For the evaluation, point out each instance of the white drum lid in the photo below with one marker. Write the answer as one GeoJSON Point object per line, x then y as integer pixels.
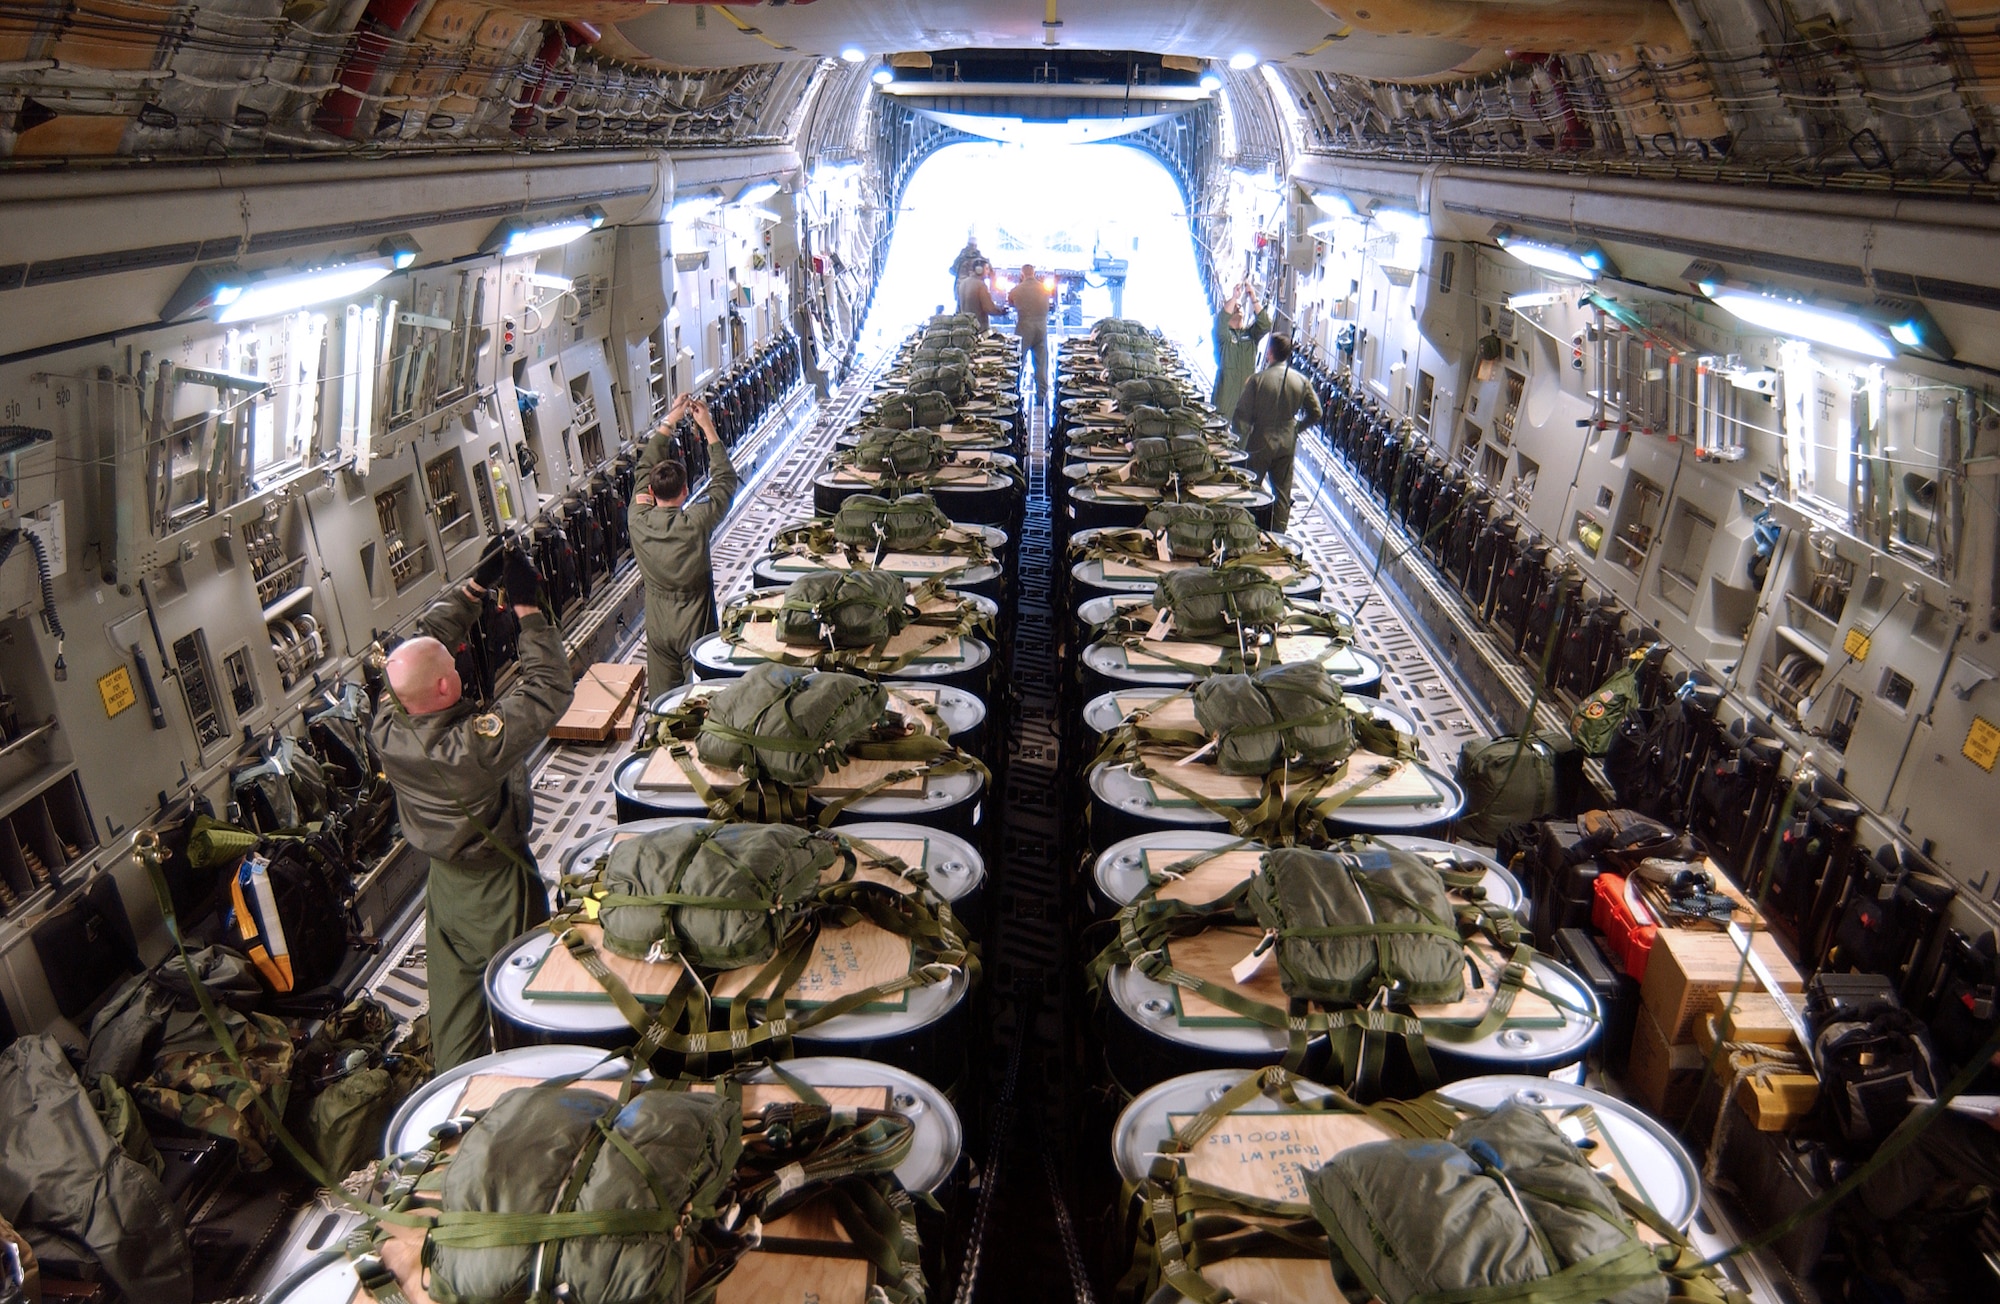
{"type": "Point", "coordinates": [508, 974]}
{"type": "Point", "coordinates": [1144, 1128]}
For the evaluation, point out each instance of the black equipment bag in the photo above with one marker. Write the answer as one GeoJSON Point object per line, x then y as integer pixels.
{"type": "Point", "coordinates": [1874, 1058]}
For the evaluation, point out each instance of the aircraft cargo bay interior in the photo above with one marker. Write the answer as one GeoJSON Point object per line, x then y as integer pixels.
{"type": "Point", "coordinates": [901, 652]}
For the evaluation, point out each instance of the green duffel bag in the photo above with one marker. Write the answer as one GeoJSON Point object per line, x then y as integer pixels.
{"type": "Point", "coordinates": [787, 725]}
{"type": "Point", "coordinates": [1477, 1217]}
{"type": "Point", "coordinates": [900, 452]}
{"type": "Point", "coordinates": [848, 608]}
{"type": "Point", "coordinates": [721, 896]}
{"type": "Point", "coordinates": [1283, 715]}
{"type": "Point", "coordinates": [1207, 602]}
{"type": "Point", "coordinates": [1151, 391]}
{"type": "Point", "coordinates": [535, 1168]}
{"type": "Point", "coordinates": [1509, 781]}
{"type": "Point", "coordinates": [1347, 924]}
{"type": "Point", "coordinates": [954, 381]}
{"type": "Point", "coordinates": [897, 524]}
{"type": "Point", "coordinates": [1199, 531]}
{"type": "Point", "coordinates": [1159, 461]}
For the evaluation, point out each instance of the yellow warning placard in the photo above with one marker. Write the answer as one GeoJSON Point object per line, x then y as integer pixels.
{"type": "Point", "coordinates": [1855, 645]}
{"type": "Point", "coordinates": [116, 690]}
{"type": "Point", "coordinates": [1982, 743]}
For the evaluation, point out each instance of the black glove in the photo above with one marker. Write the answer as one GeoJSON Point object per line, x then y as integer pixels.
{"type": "Point", "coordinates": [490, 566]}
{"type": "Point", "coordinates": [520, 579]}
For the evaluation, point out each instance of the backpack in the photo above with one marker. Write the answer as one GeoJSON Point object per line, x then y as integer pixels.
{"type": "Point", "coordinates": [556, 1153]}
{"type": "Point", "coordinates": [1646, 757]}
{"type": "Point", "coordinates": [907, 410]}
{"type": "Point", "coordinates": [1508, 781]}
{"type": "Point", "coordinates": [1622, 840]}
{"type": "Point", "coordinates": [286, 916]}
{"type": "Point", "coordinates": [1597, 717]}
{"type": "Point", "coordinates": [844, 608]}
{"type": "Point", "coordinates": [1143, 391]}
{"type": "Point", "coordinates": [1161, 423]}
{"type": "Point", "coordinates": [900, 452]}
{"type": "Point", "coordinates": [1160, 461]}
{"type": "Point", "coordinates": [894, 524]}
{"type": "Point", "coordinates": [1200, 531]}
{"type": "Point", "coordinates": [1285, 713]}
{"type": "Point", "coordinates": [788, 725]}
{"type": "Point", "coordinates": [740, 888]}
{"type": "Point", "coordinates": [1873, 1057]}
{"type": "Point", "coordinates": [1393, 926]}
{"type": "Point", "coordinates": [283, 789]}
{"type": "Point", "coordinates": [1481, 1211]}
{"type": "Point", "coordinates": [1207, 603]}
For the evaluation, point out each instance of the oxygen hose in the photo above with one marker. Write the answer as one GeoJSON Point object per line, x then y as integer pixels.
{"type": "Point", "coordinates": [49, 615]}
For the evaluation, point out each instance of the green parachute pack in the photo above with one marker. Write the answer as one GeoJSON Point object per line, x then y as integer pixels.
{"type": "Point", "coordinates": [1208, 602]}
{"type": "Point", "coordinates": [1162, 460]}
{"type": "Point", "coordinates": [1458, 1204]}
{"type": "Point", "coordinates": [901, 524]}
{"type": "Point", "coordinates": [649, 1193]}
{"type": "Point", "coordinates": [907, 410]}
{"type": "Point", "coordinates": [721, 895]}
{"type": "Point", "coordinates": [1148, 391]}
{"type": "Point", "coordinates": [899, 453]}
{"type": "Point", "coordinates": [844, 609]}
{"type": "Point", "coordinates": [1164, 423]}
{"type": "Point", "coordinates": [1201, 531]}
{"type": "Point", "coordinates": [1281, 715]}
{"type": "Point", "coordinates": [1508, 781]}
{"type": "Point", "coordinates": [788, 725]}
{"type": "Point", "coordinates": [951, 379]}
{"type": "Point", "coordinates": [1346, 926]}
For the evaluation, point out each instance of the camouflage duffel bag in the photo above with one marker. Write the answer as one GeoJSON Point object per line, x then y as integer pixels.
{"type": "Point", "coordinates": [848, 609]}
{"type": "Point", "coordinates": [787, 725]}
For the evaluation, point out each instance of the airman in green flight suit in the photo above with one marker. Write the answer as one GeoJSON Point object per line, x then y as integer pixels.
{"type": "Point", "coordinates": [670, 540]}
{"type": "Point", "coordinates": [461, 781]}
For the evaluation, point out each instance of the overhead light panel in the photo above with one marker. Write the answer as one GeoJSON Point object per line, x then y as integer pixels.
{"type": "Point", "coordinates": [233, 294]}
{"type": "Point", "coordinates": [1578, 260]}
{"type": "Point", "coordinates": [852, 54]}
{"type": "Point", "coordinates": [1533, 299]}
{"type": "Point", "coordinates": [688, 207]}
{"type": "Point", "coordinates": [883, 77]}
{"type": "Point", "coordinates": [1211, 81]}
{"type": "Point", "coordinates": [524, 236]}
{"type": "Point", "coordinates": [1243, 61]}
{"type": "Point", "coordinates": [757, 192]}
{"type": "Point", "coordinates": [1333, 203]}
{"type": "Point", "coordinates": [400, 250]}
{"type": "Point", "coordinates": [1403, 223]}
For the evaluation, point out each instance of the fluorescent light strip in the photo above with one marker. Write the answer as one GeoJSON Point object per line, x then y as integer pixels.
{"type": "Point", "coordinates": [1835, 328]}
{"type": "Point", "coordinates": [276, 296]}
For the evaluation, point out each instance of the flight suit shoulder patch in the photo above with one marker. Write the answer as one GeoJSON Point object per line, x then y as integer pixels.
{"type": "Point", "coordinates": [488, 725]}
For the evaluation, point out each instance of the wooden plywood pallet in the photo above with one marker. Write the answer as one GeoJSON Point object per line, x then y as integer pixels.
{"type": "Point", "coordinates": [606, 698]}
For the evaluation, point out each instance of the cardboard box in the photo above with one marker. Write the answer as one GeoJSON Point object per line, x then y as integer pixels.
{"type": "Point", "coordinates": [602, 697]}
{"type": "Point", "coordinates": [1683, 975]}
{"type": "Point", "coordinates": [1663, 1077]}
{"type": "Point", "coordinates": [1756, 1017]}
